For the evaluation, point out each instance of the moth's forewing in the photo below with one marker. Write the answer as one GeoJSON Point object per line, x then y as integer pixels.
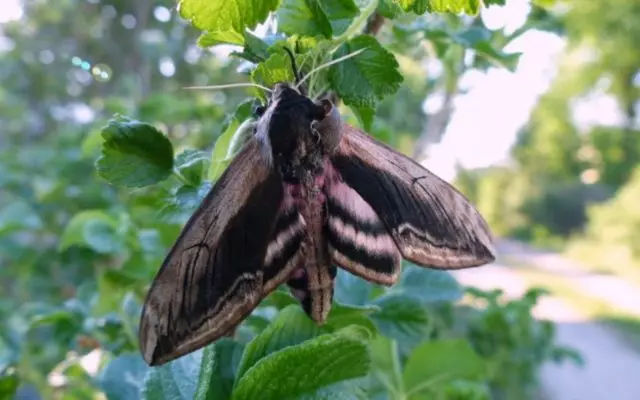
{"type": "Point", "coordinates": [431, 223]}
{"type": "Point", "coordinates": [224, 261]}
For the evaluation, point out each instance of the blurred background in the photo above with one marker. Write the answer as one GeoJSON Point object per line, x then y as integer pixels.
{"type": "Point", "coordinates": [548, 150]}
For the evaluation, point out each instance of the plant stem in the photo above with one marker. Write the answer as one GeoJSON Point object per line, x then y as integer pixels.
{"type": "Point", "coordinates": [397, 369]}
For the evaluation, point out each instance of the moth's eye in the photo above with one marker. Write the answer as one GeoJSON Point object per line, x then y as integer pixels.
{"type": "Point", "coordinates": [259, 110]}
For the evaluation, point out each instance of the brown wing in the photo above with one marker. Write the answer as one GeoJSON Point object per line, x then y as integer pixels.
{"type": "Point", "coordinates": [239, 245]}
{"type": "Point", "coordinates": [432, 224]}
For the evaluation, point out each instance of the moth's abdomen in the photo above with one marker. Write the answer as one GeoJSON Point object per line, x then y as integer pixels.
{"type": "Point", "coordinates": [312, 282]}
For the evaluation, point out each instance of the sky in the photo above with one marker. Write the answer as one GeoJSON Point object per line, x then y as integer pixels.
{"type": "Point", "coordinates": [486, 119]}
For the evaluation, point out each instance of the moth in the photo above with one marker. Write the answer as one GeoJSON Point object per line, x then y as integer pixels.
{"type": "Point", "coordinates": [305, 195]}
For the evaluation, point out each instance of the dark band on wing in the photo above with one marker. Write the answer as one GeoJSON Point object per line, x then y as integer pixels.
{"type": "Point", "coordinates": [370, 227]}
{"type": "Point", "coordinates": [379, 261]}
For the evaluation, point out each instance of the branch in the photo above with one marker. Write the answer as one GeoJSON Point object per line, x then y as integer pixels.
{"type": "Point", "coordinates": [374, 24]}
{"type": "Point", "coordinates": [437, 123]}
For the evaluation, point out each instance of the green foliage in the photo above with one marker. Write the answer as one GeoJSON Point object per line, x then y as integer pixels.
{"type": "Point", "coordinates": [134, 154]}
{"type": "Point", "coordinates": [515, 343]}
{"type": "Point", "coordinates": [100, 241]}
{"type": "Point", "coordinates": [611, 239]}
{"type": "Point", "coordinates": [368, 77]}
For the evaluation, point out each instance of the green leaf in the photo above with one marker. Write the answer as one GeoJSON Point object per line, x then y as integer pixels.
{"type": "Point", "coordinates": [301, 44]}
{"type": "Point", "coordinates": [340, 13]}
{"type": "Point", "coordinates": [292, 326]}
{"type": "Point", "coordinates": [499, 57]}
{"type": "Point", "coordinates": [351, 289]}
{"type": "Point", "coordinates": [305, 368]}
{"type": "Point", "coordinates": [93, 229]}
{"type": "Point", "coordinates": [344, 317]}
{"type": "Point", "coordinates": [471, 7]}
{"type": "Point", "coordinates": [9, 382]}
{"type": "Point", "coordinates": [255, 49]}
{"type": "Point", "coordinates": [18, 215]}
{"type": "Point", "coordinates": [385, 364]}
{"type": "Point", "coordinates": [277, 68]}
{"type": "Point", "coordinates": [366, 78]}
{"type": "Point", "coordinates": [353, 389]}
{"type": "Point", "coordinates": [209, 39]}
{"type": "Point", "coordinates": [134, 153]}
{"type": "Point", "coordinates": [91, 144]}
{"type": "Point", "coordinates": [123, 377]}
{"type": "Point", "coordinates": [389, 9]}
{"type": "Point", "coordinates": [365, 116]}
{"type": "Point", "coordinates": [479, 39]}
{"type": "Point", "coordinates": [191, 165]}
{"type": "Point", "coordinates": [461, 389]}
{"type": "Point", "coordinates": [225, 20]}
{"type": "Point", "coordinates": [176, 380]}
{"type": "Point", "coordinates": [233, 136]}
{"type": "Point", "coordinates": [303, 17]}
{"type": "Point", "coordinates": [429, 285]}
{"type": "Point", "coordinates": [447, 359]}
{"type": "Point", "coordinates": [401, 317]}
{"type": "Point", "coordinates": [218, 370]}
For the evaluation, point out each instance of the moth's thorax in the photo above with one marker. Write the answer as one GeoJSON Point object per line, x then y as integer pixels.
{"type": "Point", "coordinates": [293, 127]}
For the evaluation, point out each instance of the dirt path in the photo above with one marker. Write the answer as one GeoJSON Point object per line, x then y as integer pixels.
{"type": "Point", "coordinates": [612, 370]}
{"type": "Point", "coordinates": [623, 295]}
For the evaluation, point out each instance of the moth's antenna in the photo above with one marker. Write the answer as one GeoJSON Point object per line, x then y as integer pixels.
{"type": "Point", "coordinates": [296, 73]}
{"type": "Point", "coordinates": [231, 85]}
{"type": "Point", "coordinates": [328, 64]}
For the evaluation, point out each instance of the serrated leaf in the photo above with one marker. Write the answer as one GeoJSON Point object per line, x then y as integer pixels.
{"type": "Point", "coordinates": [470, 7]}
{"type": "Point", "coordinates": [134, 153]}
{"type": "Point", "coordinates": [401, 317]}
{"type": "Point", "coordinates": [210, 39]}
{"type": "Point", "coordinates": [277, 68]}
{"type": "Point", "coordinates": [305, 368]}
{"type": "Point", "coordinates": [389, 9]}
{"type": "Point", "coordinates": [449, 359]}
{"type": "Point", "coordinates": [303, 17]}
{"type": "Point", "coordinates": [367, 77]}
{"type": "Point", "coordinates": [429, 285]}
{"type": "Point", "coordinates": [123, 377]}
{"type": "Point", "coordinates": [218, 370]}
{"type": "Point", "coordinates": [292, 326]}
{"type": "Point", "coordinates": [176, 380]}
{"type": "Point", "coordinates": [225, 19]}
{"type": "Point", "coordinates": [230, 140]}
{"type": "Point", "coordinates": [191, 165]}
{"type": "Point", "coordinates": [94, 229]}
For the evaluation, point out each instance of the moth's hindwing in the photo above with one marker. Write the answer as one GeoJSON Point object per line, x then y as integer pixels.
{"type": "Point", "coordinates": [239, 245]}
{"type": "Point", "coordinates": [358, 240]}
{"type": "Point", "coordinates": [431, 223]}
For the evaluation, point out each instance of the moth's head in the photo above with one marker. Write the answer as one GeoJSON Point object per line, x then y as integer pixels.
{"type": "Point", "coordinates": [289, 117]}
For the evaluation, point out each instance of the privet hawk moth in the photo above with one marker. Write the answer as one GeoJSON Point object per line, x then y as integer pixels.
{"type": "Point", "coordinates": [306, 194]}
